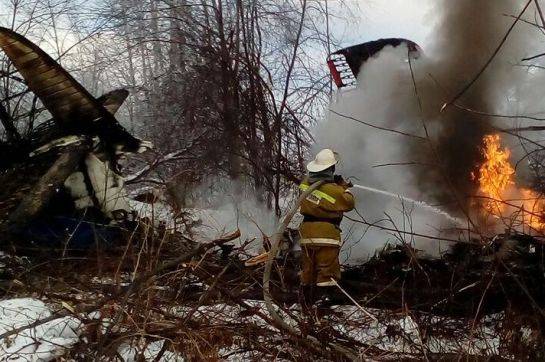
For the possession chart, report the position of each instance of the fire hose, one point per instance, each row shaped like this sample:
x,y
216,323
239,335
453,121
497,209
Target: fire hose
x,y
418,203
263,257
276,241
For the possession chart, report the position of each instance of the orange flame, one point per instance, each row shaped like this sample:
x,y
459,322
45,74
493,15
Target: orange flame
x,y
497,185
534,206
495,174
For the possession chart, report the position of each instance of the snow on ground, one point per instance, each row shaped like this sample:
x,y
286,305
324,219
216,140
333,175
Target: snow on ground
x,y
52,339
401,333
132,352
42,343
393,333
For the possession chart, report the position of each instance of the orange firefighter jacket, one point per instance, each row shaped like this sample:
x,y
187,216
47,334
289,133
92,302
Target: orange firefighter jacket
x,y
323,211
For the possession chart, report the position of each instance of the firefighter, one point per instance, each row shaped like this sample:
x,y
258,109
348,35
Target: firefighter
x,y
320,230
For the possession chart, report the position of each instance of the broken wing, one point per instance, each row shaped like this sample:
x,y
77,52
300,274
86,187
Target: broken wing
x,y
61,94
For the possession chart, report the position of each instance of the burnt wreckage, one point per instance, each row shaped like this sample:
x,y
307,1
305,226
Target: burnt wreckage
x,y
505,272
62,180
346,64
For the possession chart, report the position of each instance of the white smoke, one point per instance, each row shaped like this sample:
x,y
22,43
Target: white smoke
x,y
385,97
229,207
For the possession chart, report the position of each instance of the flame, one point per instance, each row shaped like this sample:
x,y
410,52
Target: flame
x,y
495,174
502,198
534,206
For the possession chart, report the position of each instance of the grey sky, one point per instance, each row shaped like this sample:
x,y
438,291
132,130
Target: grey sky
x,y
376,19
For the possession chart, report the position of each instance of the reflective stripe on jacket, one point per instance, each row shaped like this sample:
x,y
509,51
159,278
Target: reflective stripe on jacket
x,y
328,202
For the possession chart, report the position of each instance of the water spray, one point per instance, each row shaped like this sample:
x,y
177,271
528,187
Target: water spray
x,y
421,204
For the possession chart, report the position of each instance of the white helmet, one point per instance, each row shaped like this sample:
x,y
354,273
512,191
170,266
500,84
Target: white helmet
x,y
324,160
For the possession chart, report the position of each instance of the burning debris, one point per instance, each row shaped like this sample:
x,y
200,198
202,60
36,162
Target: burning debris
x,y
515,207
495,174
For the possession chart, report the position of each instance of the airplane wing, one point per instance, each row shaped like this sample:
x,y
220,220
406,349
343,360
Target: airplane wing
x,y
66,99
113,100
73,108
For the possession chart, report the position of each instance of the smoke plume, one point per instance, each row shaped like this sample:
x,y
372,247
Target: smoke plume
x,y
463,41
465,35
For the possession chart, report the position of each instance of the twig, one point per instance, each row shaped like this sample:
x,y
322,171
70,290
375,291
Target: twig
x,y
496,51
538,7
133,287
375,126
354,301
533,57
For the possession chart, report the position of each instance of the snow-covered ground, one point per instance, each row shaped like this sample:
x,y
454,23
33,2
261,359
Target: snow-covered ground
x,y
42,343
392,333
130,352
50,340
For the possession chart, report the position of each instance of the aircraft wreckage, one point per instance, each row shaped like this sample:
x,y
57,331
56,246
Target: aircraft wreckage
x,y
63,178
346,64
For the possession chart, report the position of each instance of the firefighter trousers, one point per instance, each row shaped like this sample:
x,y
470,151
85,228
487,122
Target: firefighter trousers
x,y
319,265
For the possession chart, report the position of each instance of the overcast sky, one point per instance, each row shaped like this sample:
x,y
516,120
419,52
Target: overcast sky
x,y
376,19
